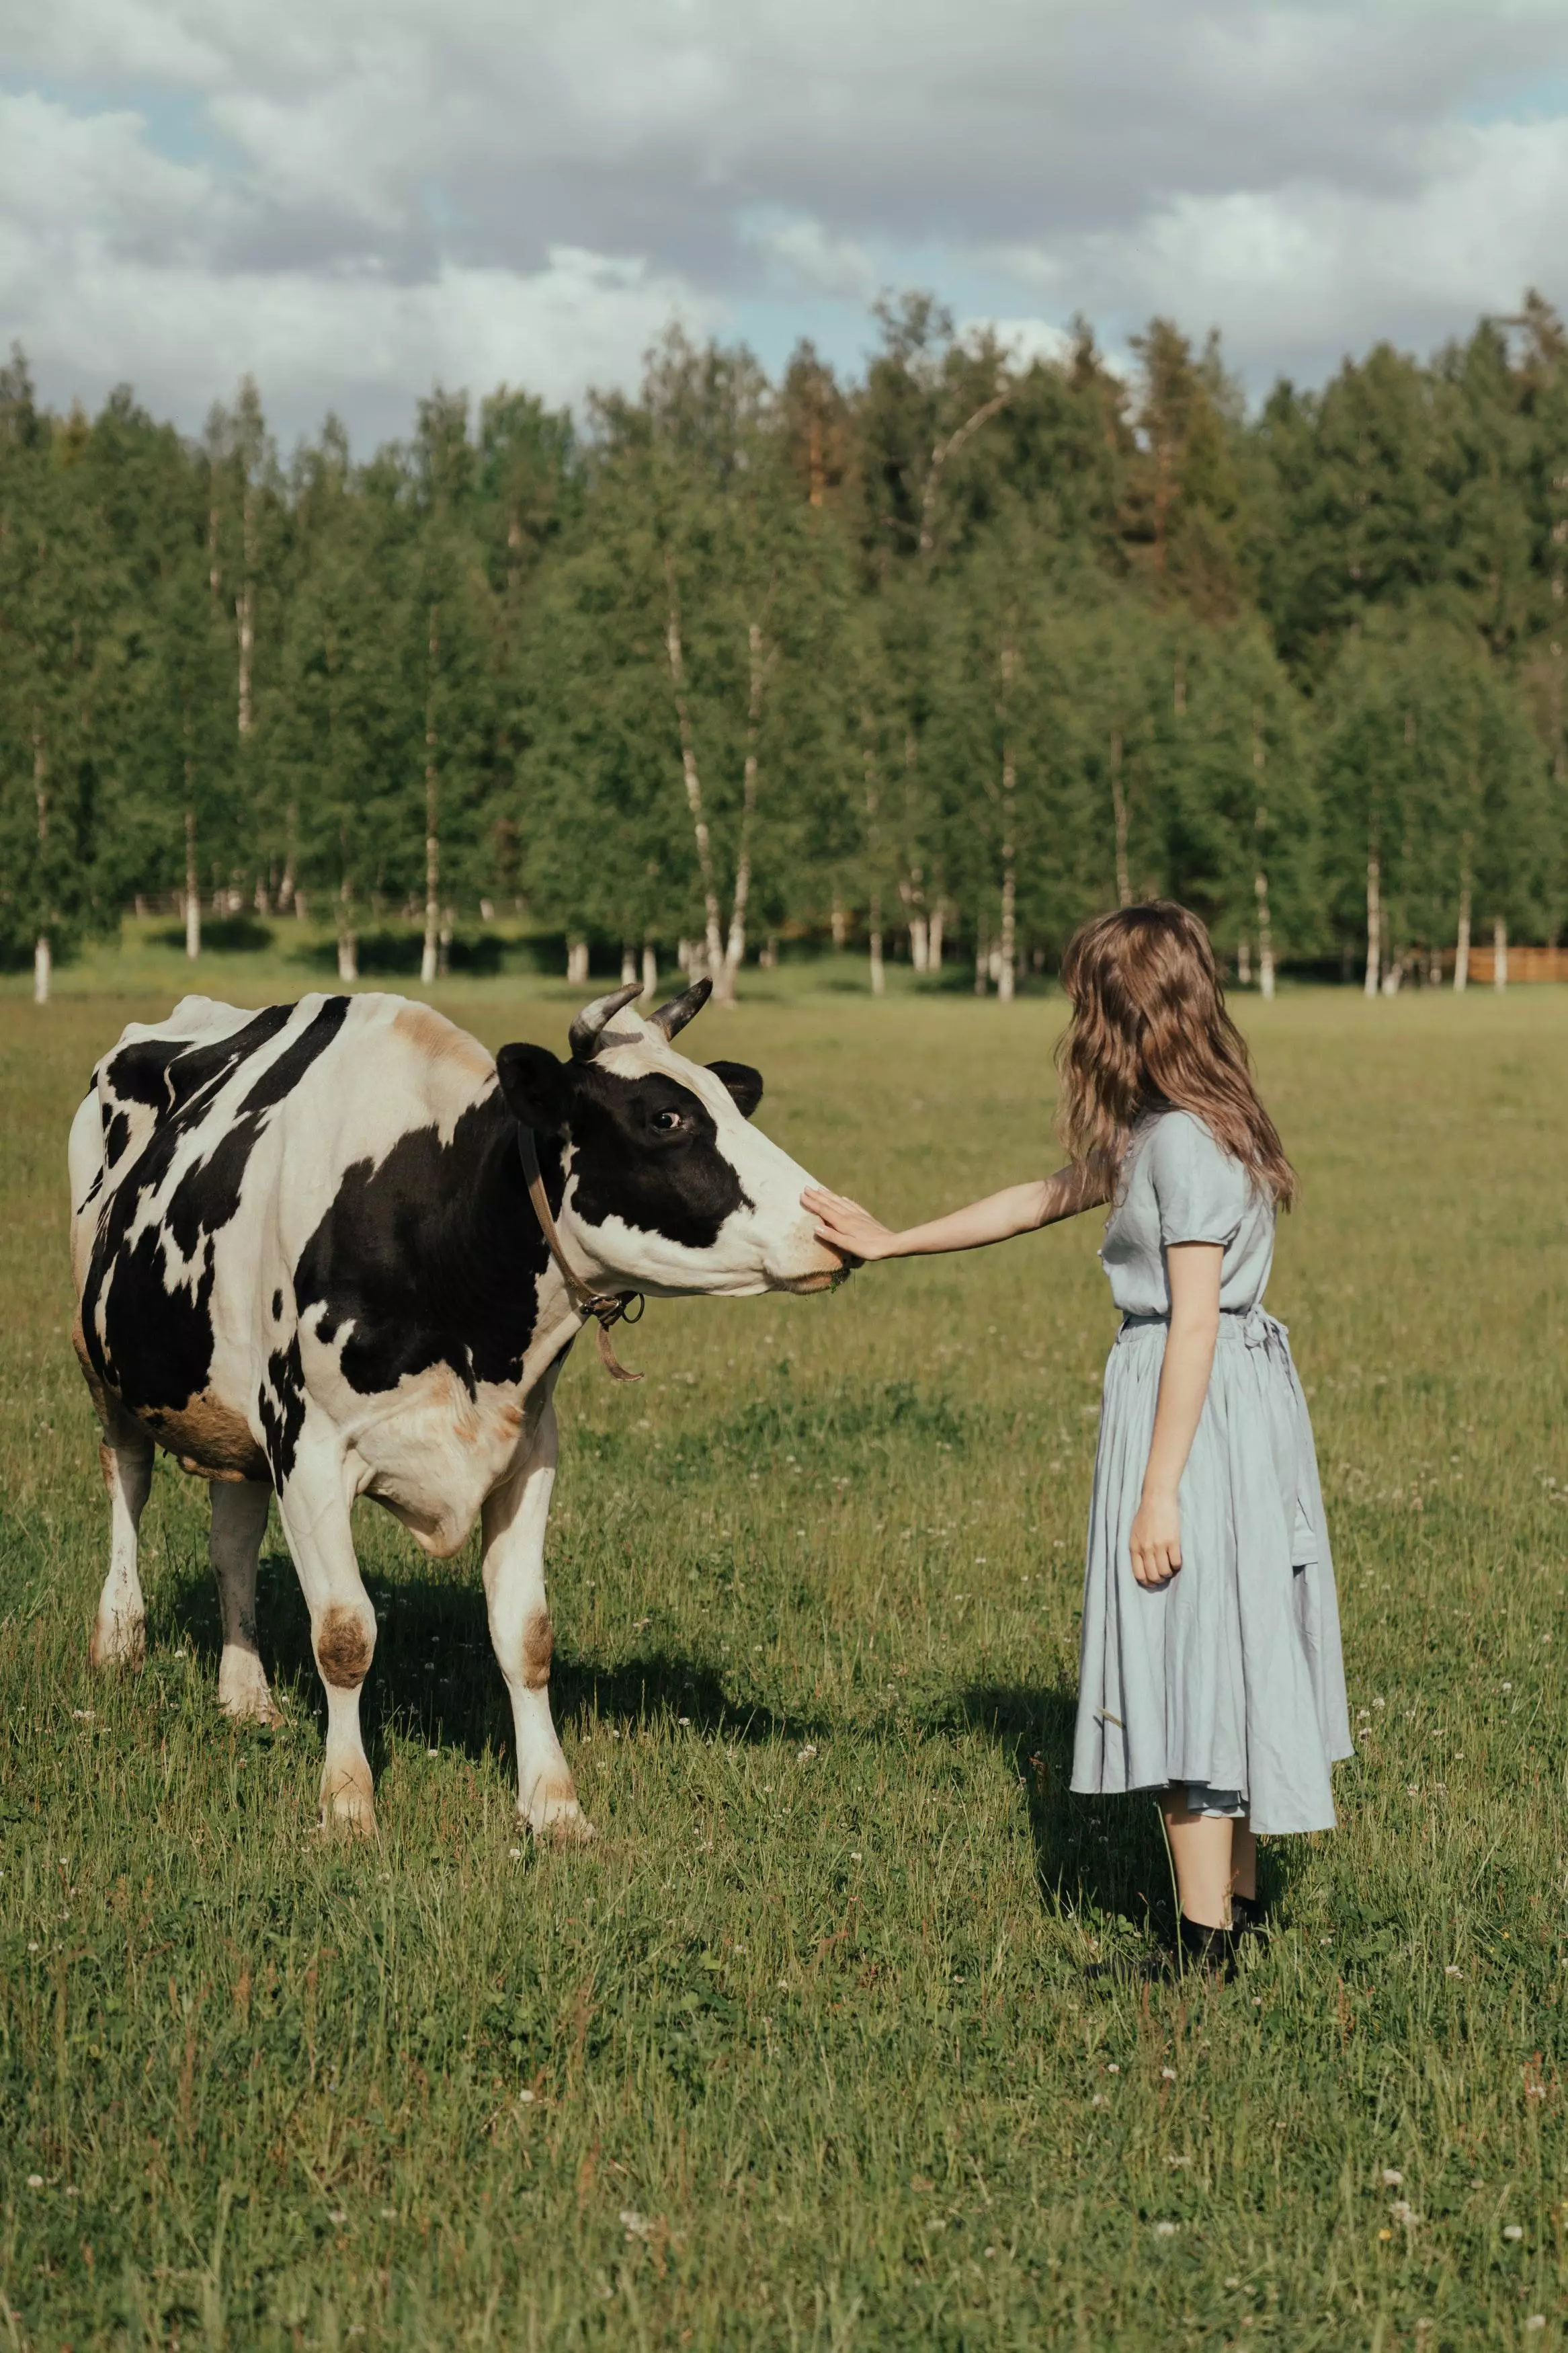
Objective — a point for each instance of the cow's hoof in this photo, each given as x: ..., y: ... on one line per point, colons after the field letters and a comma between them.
x: 555, y: 1819
x: 253, y: 1707
x: 244, y: 1695
x: 118, y: 1643
x: 349, y: 1807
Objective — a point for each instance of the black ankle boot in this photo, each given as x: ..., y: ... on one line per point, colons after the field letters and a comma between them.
x: 1248, y: 1916
x: 1210, y: 1950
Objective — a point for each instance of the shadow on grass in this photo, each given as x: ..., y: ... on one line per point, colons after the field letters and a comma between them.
x: 222, y: 935
x: 435, y: 1677
x: 1104, y: 1855
x: 388, y: 953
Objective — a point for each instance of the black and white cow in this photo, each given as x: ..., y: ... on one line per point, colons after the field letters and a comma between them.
x: 307, y: 1265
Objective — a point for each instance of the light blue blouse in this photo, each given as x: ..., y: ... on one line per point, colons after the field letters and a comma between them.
x: 1179, y: 1185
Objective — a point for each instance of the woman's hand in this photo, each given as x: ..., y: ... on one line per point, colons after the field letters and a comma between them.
x: 1155, y: 1543
x: 844, y: 1226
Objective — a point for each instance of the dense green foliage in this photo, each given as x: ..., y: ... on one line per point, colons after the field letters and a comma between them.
x: 799, y: 2053
x: 958, y: 651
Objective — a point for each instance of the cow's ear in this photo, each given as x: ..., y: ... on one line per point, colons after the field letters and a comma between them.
x: 534, y: 1084
x: 744, y: 1084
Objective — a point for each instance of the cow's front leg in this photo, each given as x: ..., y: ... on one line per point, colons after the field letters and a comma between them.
x: 234, y: 1542
x: 514, y: 1522
x: 313, y: 1505
x: 120, y: 1628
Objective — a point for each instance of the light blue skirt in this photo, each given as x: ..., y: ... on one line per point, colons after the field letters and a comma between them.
x: 1232, y: 1673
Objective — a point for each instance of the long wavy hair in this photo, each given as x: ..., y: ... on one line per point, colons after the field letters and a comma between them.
x: 1149, y: 1032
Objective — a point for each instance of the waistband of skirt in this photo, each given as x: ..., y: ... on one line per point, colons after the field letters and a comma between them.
x: 1253, y: 1326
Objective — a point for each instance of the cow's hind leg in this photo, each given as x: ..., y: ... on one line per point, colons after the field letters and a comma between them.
x: 119, y: 1630
x: 514, y: 1522
x: 314, y: 1510
x: 233, y: 1543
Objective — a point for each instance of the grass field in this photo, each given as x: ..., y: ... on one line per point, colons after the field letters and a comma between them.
x: 799, y: 2053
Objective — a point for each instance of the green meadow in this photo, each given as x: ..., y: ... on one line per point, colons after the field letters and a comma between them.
x: 800, y: 2053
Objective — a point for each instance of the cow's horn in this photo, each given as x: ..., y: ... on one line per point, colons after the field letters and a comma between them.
x: 586, y: 1028
x: 673, y: 1018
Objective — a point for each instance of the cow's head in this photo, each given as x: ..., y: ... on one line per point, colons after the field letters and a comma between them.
x: 667, y: 1189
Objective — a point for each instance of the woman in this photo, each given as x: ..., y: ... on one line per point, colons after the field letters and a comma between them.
x: 1211, y: 1669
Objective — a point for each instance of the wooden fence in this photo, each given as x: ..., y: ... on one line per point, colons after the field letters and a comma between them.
x: 1524, y: 964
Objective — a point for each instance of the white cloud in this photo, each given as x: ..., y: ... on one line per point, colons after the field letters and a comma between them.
x: 351, y: 196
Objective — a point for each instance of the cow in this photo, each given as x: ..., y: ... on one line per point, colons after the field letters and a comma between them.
x: 310, y: 1264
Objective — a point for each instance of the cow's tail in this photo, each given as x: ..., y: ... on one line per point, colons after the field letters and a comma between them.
x: 84, y: 1159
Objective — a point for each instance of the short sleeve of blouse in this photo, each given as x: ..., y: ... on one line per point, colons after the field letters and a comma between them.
x: 1201, y: 1191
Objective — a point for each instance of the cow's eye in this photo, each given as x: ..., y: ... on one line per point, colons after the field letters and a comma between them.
x: 665, y: 1123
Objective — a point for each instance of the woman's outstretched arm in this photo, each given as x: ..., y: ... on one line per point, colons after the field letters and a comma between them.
x: 1018, y: 1210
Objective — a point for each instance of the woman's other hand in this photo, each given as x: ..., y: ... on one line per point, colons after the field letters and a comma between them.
x: 844, y: 1226
x: 1156, y: 1542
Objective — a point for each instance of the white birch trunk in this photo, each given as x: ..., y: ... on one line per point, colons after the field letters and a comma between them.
x: 628, y: 964
x: 287, y: 897
x: 43, y: 959
x: 444, y: 944
x: 430, y: 952
x: 1244, y: 961
x: 348, y: 938
x: 244, y: 613
x: 735, y: 945
x: 933, y: 941
x: 982, y: 961
x: 873, y: 846
x: 693, y: 781
x: 838, y: 925
x: 1119, y: 813
x: 920, y: 934
x: 1373, y: 925
x: 577, y: 963
x: 650, y: 969
x: 245, y: 616
x: 1500, y: 953
x: 1462, y: 942
x: 193, y: 889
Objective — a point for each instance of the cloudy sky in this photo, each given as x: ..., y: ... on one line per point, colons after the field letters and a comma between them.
x: 350, y: 199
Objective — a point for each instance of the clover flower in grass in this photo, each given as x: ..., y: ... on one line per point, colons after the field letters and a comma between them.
x: 1513, y: 2230
x: 1392, y: 2177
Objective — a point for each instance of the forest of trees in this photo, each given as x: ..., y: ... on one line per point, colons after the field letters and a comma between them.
x: 932, y: 664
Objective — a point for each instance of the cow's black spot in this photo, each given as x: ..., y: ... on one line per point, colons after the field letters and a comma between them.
x: 168, y: 1074
x: 648, y: 1153
x: 433, y: 1255
x: 278, y: 1307
x: 326, y: 1330
x: 116, y: 1135
x: 156, y: 1344
x: 280, y: 1409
